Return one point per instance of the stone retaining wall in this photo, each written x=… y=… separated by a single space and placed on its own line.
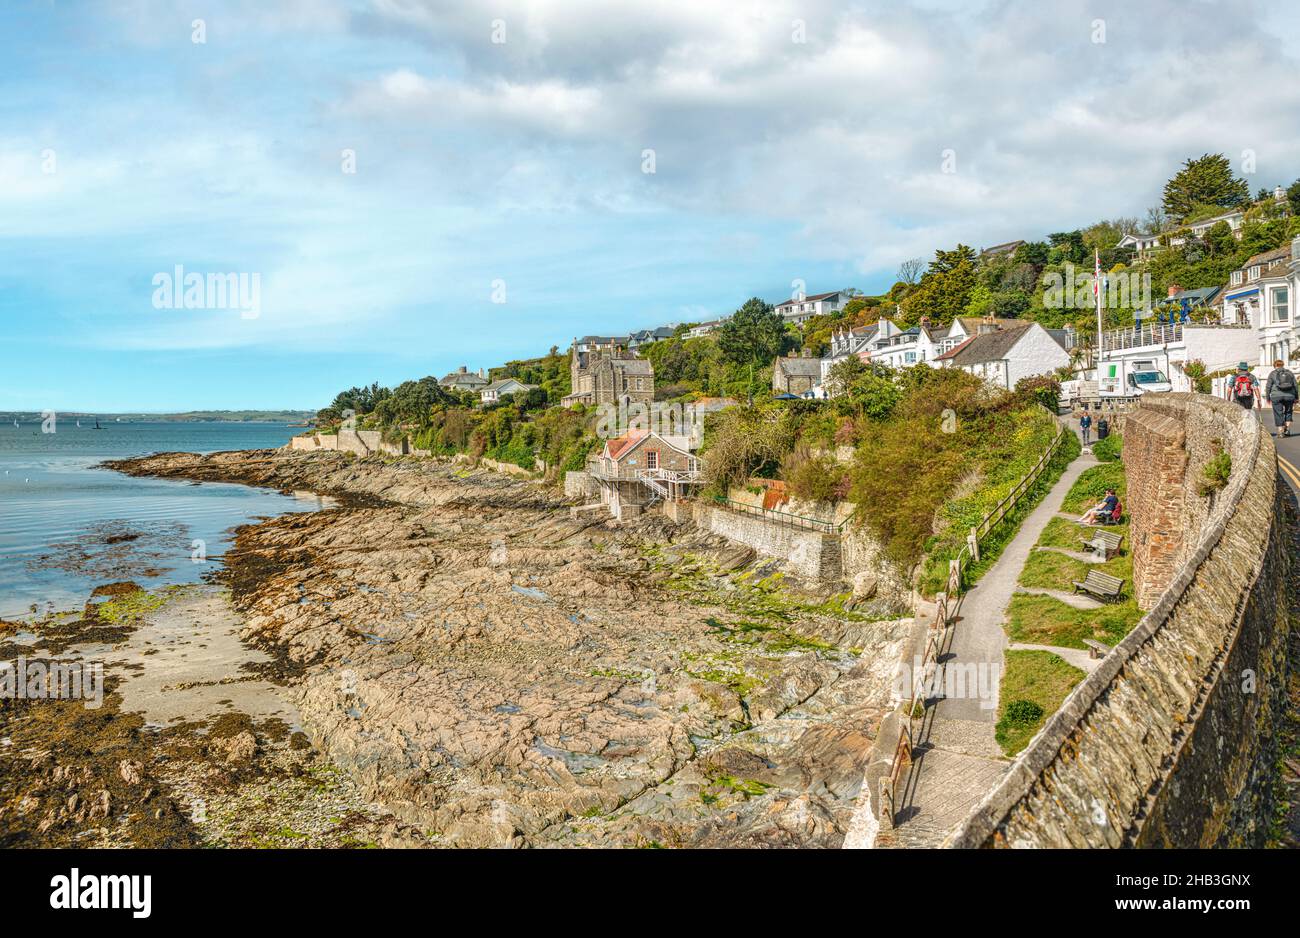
x=808 y=553
x=1171 y=741
x=360 y=442
x=580 y=485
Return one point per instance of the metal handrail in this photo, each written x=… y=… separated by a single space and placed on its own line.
x=783 y=517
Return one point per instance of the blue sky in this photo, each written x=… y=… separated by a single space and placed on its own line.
x=127 y=149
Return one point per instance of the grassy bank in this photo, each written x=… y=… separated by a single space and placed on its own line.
x=1033 y=687
x=960 y=515
x=1046 y=620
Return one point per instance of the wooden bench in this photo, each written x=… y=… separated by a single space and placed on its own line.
x=1102 y=585
x=1096 y=649
x=1105 y=544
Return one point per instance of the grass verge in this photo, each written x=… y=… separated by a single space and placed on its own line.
x=1033 y=687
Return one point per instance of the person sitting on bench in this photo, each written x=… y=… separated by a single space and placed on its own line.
x=1103 y=512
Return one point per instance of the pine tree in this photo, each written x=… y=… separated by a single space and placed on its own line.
x=1204 y=182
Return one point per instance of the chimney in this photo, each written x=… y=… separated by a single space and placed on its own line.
x=482 y=373
x=462 y=370
x=987 y=326
x=1174 y=289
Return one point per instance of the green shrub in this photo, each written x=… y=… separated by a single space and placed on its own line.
x=1109 y=449
x=814 y=478
x=1216 y=471
x=1022 y=713
x=1044 y=389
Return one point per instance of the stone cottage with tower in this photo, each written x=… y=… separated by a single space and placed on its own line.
x=604 y=371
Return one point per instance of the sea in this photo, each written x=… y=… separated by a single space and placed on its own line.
x=67 y=526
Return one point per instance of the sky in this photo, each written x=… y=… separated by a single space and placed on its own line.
x=413 y=185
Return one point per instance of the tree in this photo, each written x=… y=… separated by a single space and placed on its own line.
x=1219 y=240
x=1156 y=220
x=863 y=390
x=754 y=335
x=1068 y=246
x=1031 y=252
x=944 y=290
x=1293 y=196
x=1206 y=181
x=910 y=270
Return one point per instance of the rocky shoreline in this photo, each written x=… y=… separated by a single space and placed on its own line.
x=495 y=673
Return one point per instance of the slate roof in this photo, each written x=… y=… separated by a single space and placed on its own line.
x=632 y=366
x=810 y=299
x=1205 y=295
x=986 y=347
x=498 y=385
x=804 y=367
x=1269 y=258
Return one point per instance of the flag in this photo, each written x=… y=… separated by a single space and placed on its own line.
x=1096 y=274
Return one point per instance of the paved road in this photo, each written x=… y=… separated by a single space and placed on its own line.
x=1288 y=450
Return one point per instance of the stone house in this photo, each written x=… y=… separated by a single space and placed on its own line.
x=603 y=371
x=796 y=375
x=642 y=467
x=462 y=379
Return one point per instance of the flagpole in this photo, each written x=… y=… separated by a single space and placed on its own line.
x=1096 y=290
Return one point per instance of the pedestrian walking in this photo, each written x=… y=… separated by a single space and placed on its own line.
x=1281 y=393
x=1244 y=387
x=1085 y=426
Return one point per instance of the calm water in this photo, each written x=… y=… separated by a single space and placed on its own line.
x=66 y=527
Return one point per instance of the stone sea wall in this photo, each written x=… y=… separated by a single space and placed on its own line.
x=808 y=553
x=1171 y=741
x=360 y=442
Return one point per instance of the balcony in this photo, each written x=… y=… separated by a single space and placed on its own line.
x=1158 y=334
x=609 y=471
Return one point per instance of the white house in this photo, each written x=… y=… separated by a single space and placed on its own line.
x=646 y=336
x=1262 y=294
x=1002 y=352
x=499 y=389
x=704 y=328
x=800 y=309
x=1145 y=244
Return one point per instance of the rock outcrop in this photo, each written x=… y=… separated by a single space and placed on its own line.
x=497 y=673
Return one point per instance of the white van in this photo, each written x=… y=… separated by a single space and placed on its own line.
x=1132 y=378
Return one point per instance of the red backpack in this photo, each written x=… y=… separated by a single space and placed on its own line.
x=1242 y=386
x=1118 y=512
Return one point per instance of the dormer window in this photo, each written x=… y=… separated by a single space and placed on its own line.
x=1254 y=272
x=1236 y=277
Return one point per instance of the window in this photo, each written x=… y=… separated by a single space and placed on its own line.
x=909 y=358
x=652 y=459
x=1254 y=272
x=1236 y=277
x=1281 y=305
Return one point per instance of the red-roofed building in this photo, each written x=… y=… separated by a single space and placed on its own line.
x=642 y=467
